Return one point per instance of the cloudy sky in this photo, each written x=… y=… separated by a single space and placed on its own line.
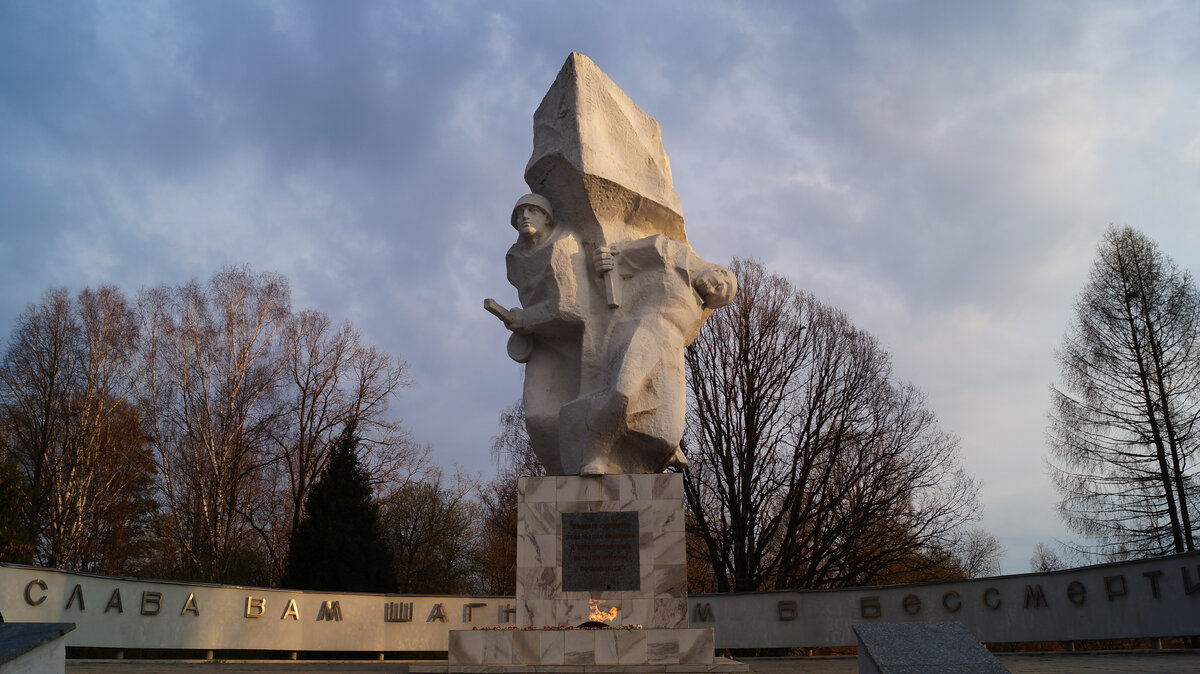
x=941 y=171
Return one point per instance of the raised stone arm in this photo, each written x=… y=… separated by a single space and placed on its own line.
x=496 y=309
x=603 y=259
x=520 y=346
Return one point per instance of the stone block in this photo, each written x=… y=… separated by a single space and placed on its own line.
x=543 y=489
x=669 y=581
x=579 y=647
x=497 y=646
x=662 y=647
x=631 y=646
x=921 y=647
x=665 y=488
x=606 y=647
x=33 y=647
x=465 y=647
x=696 y=646
x=655 y=650
x=659 y=572
x=669 y=612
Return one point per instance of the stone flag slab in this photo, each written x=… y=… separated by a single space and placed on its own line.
x=600 y=160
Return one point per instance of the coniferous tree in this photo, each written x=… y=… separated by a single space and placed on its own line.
x=1125 y=422
x=337 y=545
x=14 y=542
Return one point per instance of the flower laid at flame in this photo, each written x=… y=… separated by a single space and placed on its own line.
x=594 y=612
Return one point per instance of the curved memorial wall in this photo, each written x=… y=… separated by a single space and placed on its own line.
x=1148 y=598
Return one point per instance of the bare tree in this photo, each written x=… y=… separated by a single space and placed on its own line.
x=211 y=363
x=330 y=379
x=1123 y=425
x=429 y=527
x=808 y=465
x=194 y=423
x=1044 y=559
x=65 y=387
x=979 y=553
x=498 y=502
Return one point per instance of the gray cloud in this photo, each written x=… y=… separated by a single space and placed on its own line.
x=941 y=171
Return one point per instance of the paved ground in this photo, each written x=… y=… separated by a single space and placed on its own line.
x=1182 y=661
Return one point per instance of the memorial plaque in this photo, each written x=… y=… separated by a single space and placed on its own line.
x=600 y=552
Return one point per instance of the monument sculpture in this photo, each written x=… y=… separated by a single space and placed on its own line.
x=611 y=292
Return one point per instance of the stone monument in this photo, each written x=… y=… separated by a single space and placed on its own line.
x=611 y=294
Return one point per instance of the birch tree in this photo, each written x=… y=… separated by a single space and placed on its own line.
x=210 y=368
x=66 y=392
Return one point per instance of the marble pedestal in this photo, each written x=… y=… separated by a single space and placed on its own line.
x=562 y=574
x=614 y=544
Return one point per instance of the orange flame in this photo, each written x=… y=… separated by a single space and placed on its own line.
x=594 y=612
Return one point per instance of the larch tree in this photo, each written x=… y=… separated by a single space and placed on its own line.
x=1124 y=420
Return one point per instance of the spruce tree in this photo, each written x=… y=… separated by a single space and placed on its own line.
x=14 y=540
x=338 y=545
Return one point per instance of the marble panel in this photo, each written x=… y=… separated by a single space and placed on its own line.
x=668 y=515
x=671 y=612
x=662 y=647
x=539 y=518
x=638 y=612
x=631 y=647
x=579 y=647
x=669 y=580
x=543 y=489
x=465 y=647
x=670 y=547
x=537 y=613
x=541 y=550
x=635 y=489
x=497 y=647
x=574 y=612
x=606 y=647
x=696 y=646
x=538 y=582
x=647 y=572
x=537 y=647
x=579 y=489
x=553 y=647
x=527 y=647
x=667 y=487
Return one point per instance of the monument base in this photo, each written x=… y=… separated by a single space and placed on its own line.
x=593 y=650
x=613 y=544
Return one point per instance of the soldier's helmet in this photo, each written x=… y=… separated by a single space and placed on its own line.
x=532 y=200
